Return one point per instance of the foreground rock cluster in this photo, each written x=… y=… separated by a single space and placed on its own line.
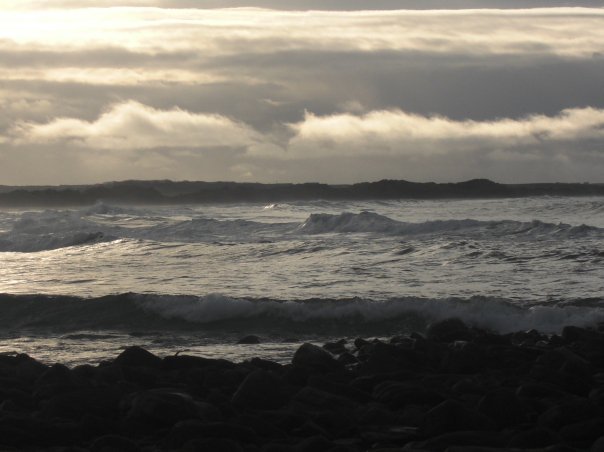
x=454 y=388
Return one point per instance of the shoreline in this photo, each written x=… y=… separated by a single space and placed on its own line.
x=455 y=388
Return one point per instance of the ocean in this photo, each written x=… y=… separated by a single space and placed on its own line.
x=80 y=284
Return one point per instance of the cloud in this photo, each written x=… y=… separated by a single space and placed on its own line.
x=398 y=133
x=568 y=32
x=131 y=125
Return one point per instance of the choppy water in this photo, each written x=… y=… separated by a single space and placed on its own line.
x=199 y=277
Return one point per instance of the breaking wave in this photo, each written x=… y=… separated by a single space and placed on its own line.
x=53 y=229
x=315 y=316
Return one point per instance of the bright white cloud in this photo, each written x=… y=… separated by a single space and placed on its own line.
x=396 y=133
x=568 y=32
x=131 y=125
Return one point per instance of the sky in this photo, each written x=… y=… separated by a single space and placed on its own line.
x=301 y=90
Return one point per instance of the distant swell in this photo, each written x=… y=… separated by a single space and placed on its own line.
x=54 y=229
x=316 y=316
x=372 y=222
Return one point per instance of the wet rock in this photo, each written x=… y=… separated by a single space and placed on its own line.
x=336 y=348
x=598 y=445
x=251 y=339
x=315 y=359
x=397 y=395
x=113 y=443
x=265 y=364
x=27 y=368
x=449 y=330
x=314 y=444
x=379 y=357
x=75 y=404
x=187 y=362
x=504 y=407
x=190 y=430
x=158 y=408
x=213 y=445
x=583 y=433
x=347 y=358
x=262 y=390
x=462 y=438
x=533 y=438
x=138 y=357
x=313 y=400
x=450 y=416
x=568 y=413
x=463 y=357
x=340 y=388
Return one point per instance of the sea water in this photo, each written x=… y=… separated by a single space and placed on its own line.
x=80 y=284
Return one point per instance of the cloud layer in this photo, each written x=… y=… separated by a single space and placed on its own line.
x=183 y=89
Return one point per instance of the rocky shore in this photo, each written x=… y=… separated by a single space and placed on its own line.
x=454 y=388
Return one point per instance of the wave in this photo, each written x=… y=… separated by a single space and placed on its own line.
x=53 y=229
x=221 y=313
x=47 y=242
x=373 y=222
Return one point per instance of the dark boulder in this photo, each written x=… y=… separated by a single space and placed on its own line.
x=113 y=443
x=315 y=359
x=504 y=407
x=336 y=348
x=397 y=395
x=262 y=390
x=451 y=416
x=158 y=408
x=193 y=430
x=138 y=357
x=583 y=433
x=567 y=413
x=449 y=330
x=212 y=445
x=533 y=438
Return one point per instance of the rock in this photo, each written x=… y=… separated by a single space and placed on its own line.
x=213 y=445
x=397 y=395
x=265 y=364
x=598 y=445
x=533 y=438
x=158 y=408
x=338 y=388
x=138 y=357
x=251 y=339
x=187 y=362
x=464 y=358
x=262 y=390
x=448 y=330
x=113 y=443
x=379 y=357
x=450 y=416
x=568 y=413
x=311 y=400
x=578 y=334
x=504 y=407
x=461 y=438
x=347 y=358
x=336 y=348
x=27 y=368
x=359 y=343
x=192 y=430
x=75 y=404
x=315 y=359
x=583 y=433
x=314 y=444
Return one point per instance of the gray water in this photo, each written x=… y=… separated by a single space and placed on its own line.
x=201 y=276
